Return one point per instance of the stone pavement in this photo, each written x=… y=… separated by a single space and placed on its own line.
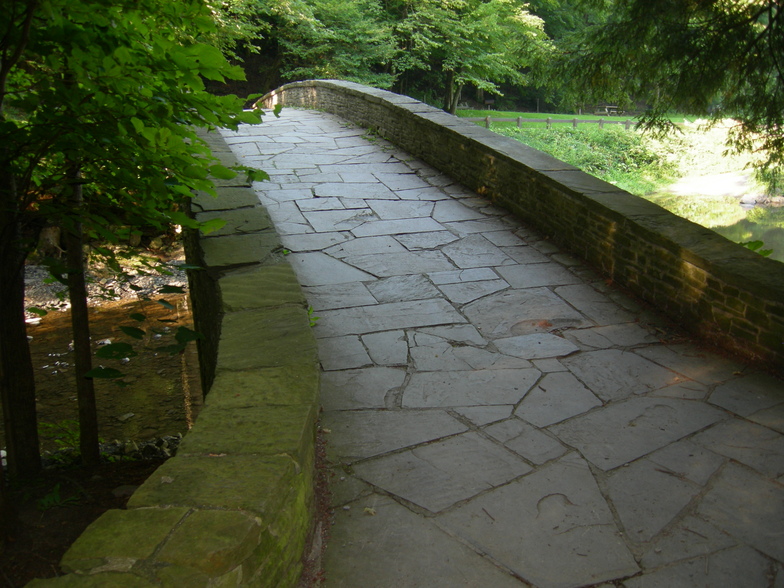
x=497 y=415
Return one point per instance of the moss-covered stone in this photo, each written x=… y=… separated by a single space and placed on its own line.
x=213 y=541
x=281 y=385
x=128 y=534
x=233 y=482
x=269 y=430
x=227 y=199
x=239 y=249
x=259 y=287
x=266 y=338
x=101 y=580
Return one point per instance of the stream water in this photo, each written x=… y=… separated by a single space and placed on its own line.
x=715 y=202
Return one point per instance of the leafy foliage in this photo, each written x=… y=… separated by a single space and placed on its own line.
x=717 y=58
x=630 y=160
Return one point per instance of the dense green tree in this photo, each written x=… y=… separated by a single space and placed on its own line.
x=113 y=92
x=716 y=58
x=460 y=42
x=339 y=40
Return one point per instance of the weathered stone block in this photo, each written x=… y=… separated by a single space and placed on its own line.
x=258 y=287
x=297 y=383
x=239 y=249
x=269 y=430
x=266 y=338
x=234 y=482
x=213 y=541
x=142 y=531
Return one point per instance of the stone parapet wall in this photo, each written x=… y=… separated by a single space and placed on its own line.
x=234 y=507
x=716 y=289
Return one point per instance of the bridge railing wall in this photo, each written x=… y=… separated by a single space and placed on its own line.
x=718 y=290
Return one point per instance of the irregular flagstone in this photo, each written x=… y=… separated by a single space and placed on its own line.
x=461 y=276
x=517 y=312
x=312 y=241
x=688 y=461
x=504 y=238
x=375 y=190
x=627 y=430
x=484 y=415
x=756 y=446
x=405 y=287
x=689 y=538
x=527 y=441
x=437 y=475
x=551 y=527
x=468 y=388
x=557 y=397
x=430 y=353
x=535 y=346
x=456 y=333
x=524 y=255
x=693 y=362
x=739 y=567
x=470 y=291
x=320 y=204
x=474 y=251
x=386 y=317
x=451 y=210
x=623 y=335
x=318 y=269
x=537 y=275
x=425 y=240
x=387 y=348
x=401 y=181
x=393 y=547
x=365 y=433
x=748 y=507
x=594 y=305
x=400 y=264
x=773 y=418
x=612 y=374
x=339 y=353
x=748 y=394
x=397 y=209
x=329 y=221
x=397 y=227
x=359 y=388
x=647 y=497
x=468 y=227
x=365 y=245
x=332 y=296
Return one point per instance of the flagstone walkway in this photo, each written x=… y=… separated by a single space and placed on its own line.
x=497 y=415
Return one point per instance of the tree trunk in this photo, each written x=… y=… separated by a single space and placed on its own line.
x=17 y=383
x=77 y=293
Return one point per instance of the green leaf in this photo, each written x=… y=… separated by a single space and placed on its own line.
x=166 y=304
x=104 y=373
x=138 y=317
x=115 y=351
x=207 y=227
x=38 y=311
x=171 y=290
x=221 y=172
x=133 y=332
x=257 y=175
x=185 y=335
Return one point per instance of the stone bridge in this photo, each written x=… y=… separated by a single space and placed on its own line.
x=520 y=367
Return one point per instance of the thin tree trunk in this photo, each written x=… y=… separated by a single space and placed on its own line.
x=77 y=293
x=17 y=382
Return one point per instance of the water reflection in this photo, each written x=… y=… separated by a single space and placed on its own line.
x=728 y=218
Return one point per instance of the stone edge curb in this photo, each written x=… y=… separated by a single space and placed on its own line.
x=716 y=289
x=235 y=506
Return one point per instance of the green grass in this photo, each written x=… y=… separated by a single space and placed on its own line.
x=627 y=159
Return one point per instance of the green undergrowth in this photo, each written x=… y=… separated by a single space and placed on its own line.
x=632 y=161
